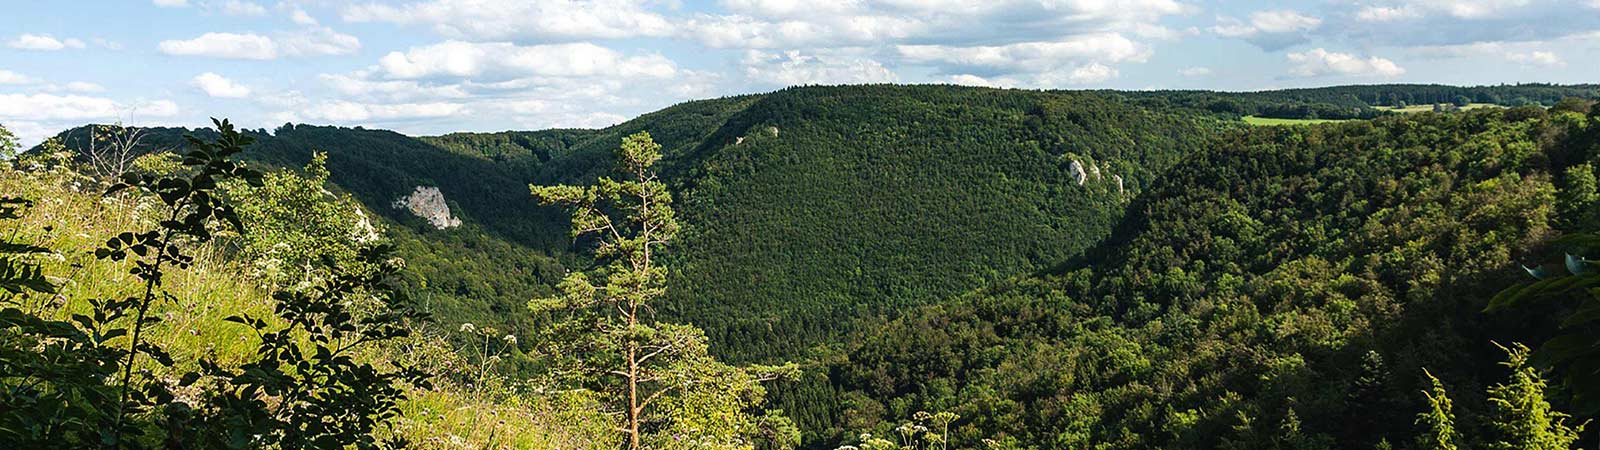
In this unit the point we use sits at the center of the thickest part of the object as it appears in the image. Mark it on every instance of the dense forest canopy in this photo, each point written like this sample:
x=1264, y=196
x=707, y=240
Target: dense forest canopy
x=1002, y=268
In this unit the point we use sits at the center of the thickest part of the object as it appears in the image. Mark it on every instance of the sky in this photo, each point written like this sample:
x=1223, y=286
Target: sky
x=426, y=67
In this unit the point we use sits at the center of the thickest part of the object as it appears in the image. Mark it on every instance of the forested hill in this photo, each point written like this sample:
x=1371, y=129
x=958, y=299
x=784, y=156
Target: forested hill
x=1284, y=290
x=808, y=207
x=1124, y=269
x=805, y=208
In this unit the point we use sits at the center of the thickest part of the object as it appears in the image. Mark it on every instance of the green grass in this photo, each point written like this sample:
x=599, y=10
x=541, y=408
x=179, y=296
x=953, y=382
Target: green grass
x=1253, y=120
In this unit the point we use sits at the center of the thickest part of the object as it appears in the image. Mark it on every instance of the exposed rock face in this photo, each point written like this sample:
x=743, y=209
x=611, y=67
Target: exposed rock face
x=1076, y=168
x=1118, y=179
x=773, y=131
x=428, y=203
x=1095, y=170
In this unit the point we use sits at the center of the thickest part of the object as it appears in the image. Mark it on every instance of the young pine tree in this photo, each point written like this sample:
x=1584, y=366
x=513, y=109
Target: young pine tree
x=1520, y=418
x=658, y=378
x=1439, y=421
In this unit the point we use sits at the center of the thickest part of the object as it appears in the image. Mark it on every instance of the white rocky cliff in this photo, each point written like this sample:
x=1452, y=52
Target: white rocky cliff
x=428, y=203
x=1076, y=169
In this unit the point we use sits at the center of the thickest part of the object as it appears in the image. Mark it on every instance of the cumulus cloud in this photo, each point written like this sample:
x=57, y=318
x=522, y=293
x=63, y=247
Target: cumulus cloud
x=242, y=8
x=308, y=42
x=793, y=67
x=318, y=41
x=1408, y=23
x=392, y=90
x=84, y=86
x=1068, y=76
x=1530, y=54
x=347, y=112
x=1537, y=58
x=158, y=108
x=541, y=20
x=790, y=23
x=43, y=42
x=218, y=86
x=1463, y=9
x=76, y=107
x=1195, y=72
x=299, y=16
x=1270, y=30
x=1031, y=57
x=503, y=60
x=1385, y=14
x=223, y=45
x=9, y=77
x=1320, y=62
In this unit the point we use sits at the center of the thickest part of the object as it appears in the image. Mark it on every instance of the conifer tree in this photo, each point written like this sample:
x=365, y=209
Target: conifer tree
x=659, y=378
x=1520, y=417
x=1439, y=421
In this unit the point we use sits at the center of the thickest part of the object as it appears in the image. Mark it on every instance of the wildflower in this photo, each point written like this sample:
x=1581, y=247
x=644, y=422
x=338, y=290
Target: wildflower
x=511, y=339
x=468, y=327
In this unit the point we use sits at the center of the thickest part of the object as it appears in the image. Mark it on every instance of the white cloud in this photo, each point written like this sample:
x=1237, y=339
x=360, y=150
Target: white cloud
x=394, y=90
x=347, y=112
x=794, y=24
x=966, y=79
x=75, y=107
x=9, y=77
x=793, y=68
x=1320, y=62
x=158, y=108
x=1460, y=9
x=299, y=16
x=223, y=45
x=1270, y=30
x=1537, y=58
x=1089, y=74
x=170, y=3
x=1385, y=14
x=541, y=20
x=307, y=42
x=218, y=86
x=1525, y=53
x=43, y=42
x=1283, y=21
x=316, y=41
x=1031, y=56
x=1067, y=76
x=1195, y=72
x=242, y=8
x=502, y=60
x=35, y=117
x=84, y=86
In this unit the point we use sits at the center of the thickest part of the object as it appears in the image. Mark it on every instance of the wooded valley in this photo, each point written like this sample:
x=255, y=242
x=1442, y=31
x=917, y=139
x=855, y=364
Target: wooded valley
x=822, y=267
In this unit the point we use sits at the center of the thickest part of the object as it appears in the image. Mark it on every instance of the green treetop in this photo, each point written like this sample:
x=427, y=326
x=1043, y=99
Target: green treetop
x=1439, y=421
x=1520, y=417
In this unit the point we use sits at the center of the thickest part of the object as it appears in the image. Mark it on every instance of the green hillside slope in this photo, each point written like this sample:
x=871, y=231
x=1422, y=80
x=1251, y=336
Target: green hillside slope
x=1294, y=277
x=806, y=208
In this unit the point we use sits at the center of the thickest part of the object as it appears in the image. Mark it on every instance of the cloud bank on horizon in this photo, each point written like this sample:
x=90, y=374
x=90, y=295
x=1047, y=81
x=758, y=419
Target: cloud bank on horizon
x=435, y=66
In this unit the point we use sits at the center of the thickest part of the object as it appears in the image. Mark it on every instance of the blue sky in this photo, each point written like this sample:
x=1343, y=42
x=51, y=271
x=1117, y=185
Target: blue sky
x=435, y=66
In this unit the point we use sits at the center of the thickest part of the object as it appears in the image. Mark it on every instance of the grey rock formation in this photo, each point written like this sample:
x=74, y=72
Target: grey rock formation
x=1118, y=180
x=428, y=203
